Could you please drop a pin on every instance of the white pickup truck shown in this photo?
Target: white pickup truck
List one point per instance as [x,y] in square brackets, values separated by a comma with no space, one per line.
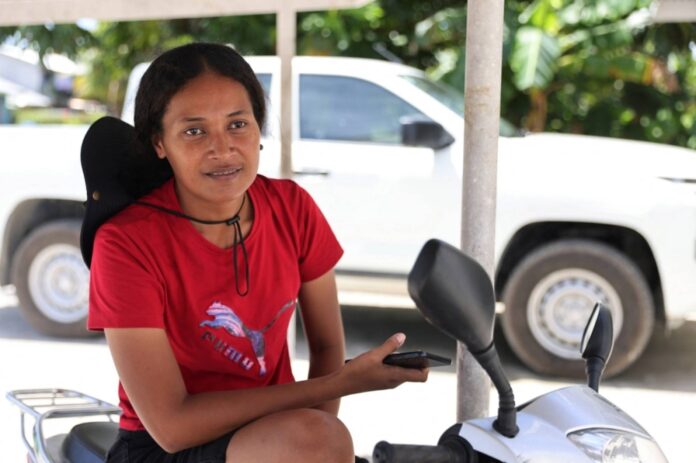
[380,148]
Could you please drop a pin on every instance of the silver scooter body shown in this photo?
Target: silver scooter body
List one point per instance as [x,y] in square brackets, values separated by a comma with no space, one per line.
[545,424]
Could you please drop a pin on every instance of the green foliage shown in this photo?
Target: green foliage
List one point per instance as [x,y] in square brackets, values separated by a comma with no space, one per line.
[68,39]
[585,66]
[410,31]
[54,116]
[615,75]
[122,45]
[534,57]
[114,48]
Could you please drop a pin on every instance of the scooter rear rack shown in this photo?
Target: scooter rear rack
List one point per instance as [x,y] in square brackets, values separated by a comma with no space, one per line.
[45,404]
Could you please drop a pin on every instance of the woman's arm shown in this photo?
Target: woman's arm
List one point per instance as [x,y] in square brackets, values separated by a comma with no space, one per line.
[321,317]
[177,420]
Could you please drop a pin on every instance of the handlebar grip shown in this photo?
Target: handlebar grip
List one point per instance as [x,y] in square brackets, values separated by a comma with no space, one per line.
[385,452]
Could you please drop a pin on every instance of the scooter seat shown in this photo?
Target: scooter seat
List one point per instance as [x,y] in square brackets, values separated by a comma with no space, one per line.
[89,442]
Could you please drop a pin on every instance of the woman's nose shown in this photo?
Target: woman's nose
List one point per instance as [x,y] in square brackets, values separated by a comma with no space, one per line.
[221,144]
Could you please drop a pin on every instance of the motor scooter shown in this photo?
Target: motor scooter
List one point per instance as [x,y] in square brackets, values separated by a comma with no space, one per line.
[454,293]
[86,442]
[571,425]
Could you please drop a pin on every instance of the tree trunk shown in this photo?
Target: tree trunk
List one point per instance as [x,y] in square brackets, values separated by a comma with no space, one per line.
[536,118]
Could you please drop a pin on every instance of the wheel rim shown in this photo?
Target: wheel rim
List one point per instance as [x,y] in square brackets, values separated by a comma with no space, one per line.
[59,283]
[560,304]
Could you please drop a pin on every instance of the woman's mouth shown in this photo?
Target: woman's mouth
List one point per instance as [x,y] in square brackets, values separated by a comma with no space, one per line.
[224,173]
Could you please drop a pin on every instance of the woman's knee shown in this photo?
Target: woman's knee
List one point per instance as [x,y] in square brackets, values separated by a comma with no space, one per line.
[306,435]
[316,429]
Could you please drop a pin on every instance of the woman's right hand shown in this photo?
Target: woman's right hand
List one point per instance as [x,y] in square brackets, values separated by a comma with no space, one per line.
[367,372]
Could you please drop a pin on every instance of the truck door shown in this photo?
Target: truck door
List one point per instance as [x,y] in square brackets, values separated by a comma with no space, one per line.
[382,198]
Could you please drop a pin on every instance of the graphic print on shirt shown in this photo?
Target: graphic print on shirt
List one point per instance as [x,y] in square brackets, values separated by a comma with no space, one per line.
[225,317]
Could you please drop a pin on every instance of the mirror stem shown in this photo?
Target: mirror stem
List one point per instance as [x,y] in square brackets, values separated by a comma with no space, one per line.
[506,423]
[594,367]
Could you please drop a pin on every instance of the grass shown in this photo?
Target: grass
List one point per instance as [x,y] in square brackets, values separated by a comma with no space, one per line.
[54,116]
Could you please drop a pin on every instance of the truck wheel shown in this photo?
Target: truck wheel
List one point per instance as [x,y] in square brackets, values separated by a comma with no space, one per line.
[52,281]
[551,293]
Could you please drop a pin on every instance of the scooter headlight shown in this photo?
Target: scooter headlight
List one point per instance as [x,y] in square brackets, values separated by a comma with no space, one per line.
[613,446]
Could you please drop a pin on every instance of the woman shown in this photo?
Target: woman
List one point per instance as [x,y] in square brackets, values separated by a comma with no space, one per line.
[195,284]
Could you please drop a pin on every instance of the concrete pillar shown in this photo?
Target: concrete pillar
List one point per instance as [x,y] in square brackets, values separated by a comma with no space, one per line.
[484,45]
[286,25]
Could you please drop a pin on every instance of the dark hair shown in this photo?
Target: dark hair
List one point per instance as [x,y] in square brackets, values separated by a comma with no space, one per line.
[175,68]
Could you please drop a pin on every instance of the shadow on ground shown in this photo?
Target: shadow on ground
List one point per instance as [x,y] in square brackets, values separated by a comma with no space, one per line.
[14,326]
[668,362]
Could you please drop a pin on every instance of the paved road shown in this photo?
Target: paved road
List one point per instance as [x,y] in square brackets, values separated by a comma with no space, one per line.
[660,391]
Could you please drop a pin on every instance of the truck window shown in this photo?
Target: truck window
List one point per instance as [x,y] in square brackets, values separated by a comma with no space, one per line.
[350,109]
[265,81]
[446,95]
[454,100]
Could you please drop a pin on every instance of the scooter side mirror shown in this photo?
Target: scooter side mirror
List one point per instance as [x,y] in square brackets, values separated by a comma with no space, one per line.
[597,343]
[454,293]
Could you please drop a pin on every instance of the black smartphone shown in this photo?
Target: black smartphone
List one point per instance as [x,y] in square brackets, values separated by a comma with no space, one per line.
[416,359]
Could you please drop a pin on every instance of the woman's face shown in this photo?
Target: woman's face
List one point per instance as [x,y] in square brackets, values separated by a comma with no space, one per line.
[211,139]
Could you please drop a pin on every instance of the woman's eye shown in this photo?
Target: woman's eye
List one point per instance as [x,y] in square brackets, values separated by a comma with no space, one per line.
[238,124]
[193,131]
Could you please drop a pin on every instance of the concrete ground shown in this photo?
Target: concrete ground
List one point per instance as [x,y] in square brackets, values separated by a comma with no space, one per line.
[659,391]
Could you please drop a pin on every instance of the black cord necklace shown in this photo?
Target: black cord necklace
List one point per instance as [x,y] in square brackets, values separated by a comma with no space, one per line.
[235,221]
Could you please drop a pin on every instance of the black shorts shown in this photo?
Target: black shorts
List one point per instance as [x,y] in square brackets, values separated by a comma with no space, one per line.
[140,447]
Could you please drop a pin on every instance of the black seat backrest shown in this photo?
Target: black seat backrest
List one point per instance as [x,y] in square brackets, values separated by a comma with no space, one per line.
[89,442]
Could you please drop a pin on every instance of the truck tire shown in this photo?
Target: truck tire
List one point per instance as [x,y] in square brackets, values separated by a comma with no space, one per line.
[52,281]
[551,293]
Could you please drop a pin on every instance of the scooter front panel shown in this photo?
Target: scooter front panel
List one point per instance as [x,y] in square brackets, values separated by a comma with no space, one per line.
[579,407]
[545,423]
[537,442]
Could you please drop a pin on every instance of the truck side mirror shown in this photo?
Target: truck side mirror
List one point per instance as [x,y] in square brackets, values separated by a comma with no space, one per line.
[419,131]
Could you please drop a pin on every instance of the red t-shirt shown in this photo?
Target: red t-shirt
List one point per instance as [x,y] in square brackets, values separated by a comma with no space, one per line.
[153,269]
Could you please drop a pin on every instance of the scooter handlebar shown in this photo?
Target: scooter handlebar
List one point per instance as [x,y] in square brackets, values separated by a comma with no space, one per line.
[385,452]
